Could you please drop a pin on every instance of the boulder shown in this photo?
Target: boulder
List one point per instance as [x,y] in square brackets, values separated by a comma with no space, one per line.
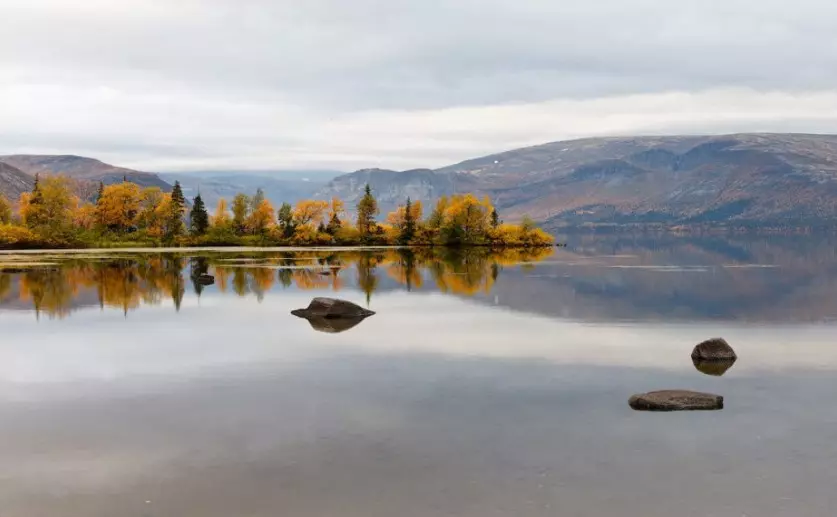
[206,279]
[332,308]
[714,368]
[716,349]
[676,400]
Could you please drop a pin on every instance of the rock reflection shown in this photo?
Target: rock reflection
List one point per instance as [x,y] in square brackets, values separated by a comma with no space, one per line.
[715,368]
[130,281]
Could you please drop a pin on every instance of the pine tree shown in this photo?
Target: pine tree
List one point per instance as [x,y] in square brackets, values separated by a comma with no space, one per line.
[495,219]
[37,196]
[408,229]
[199,217]
[100,192]
[367,209]
[174,223]
[256,200]
[286,220]
[334,224]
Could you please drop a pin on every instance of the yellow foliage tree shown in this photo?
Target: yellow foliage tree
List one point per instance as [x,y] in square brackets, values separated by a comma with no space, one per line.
[85,216]
[119,206]
[5,210]
[50,206]
[310,212]
[221,219]
[262,217]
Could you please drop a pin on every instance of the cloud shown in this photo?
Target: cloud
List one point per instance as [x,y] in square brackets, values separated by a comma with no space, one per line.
[216,83]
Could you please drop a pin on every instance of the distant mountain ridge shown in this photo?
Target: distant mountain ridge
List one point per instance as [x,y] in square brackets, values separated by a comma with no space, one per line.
[746,179]
[82,168]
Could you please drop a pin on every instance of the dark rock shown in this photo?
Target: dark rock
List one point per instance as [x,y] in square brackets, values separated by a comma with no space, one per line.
[332,308]
[715,368]
[716,349]
[206,279]
[676,400]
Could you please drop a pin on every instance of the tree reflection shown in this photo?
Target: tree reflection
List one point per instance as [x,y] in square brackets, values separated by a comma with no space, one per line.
[130,281]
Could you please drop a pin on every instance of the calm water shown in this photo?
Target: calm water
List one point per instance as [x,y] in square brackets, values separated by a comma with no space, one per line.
[485,385]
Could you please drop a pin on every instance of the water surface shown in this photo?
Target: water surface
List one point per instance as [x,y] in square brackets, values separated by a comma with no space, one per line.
[486,385]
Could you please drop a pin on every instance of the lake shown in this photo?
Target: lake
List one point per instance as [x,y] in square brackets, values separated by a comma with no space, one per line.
[485,385]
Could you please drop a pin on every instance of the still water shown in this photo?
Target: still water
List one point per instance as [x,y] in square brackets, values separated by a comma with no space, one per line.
[485,385]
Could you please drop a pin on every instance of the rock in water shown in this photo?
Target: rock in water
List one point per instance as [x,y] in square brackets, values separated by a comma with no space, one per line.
[716,349]
[676,400]
[332,308]
[714,368]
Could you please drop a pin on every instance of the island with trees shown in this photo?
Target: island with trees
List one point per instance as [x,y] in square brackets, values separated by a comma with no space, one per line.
[123,214]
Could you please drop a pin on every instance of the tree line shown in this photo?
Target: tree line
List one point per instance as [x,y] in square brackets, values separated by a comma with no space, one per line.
[53,214]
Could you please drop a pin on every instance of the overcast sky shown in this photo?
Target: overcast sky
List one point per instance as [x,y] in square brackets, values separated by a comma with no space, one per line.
[345,84]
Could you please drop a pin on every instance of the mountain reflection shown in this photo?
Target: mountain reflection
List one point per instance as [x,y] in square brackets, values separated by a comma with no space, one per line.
[66,283]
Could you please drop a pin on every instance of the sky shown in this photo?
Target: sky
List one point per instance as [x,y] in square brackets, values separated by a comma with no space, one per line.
[167,85]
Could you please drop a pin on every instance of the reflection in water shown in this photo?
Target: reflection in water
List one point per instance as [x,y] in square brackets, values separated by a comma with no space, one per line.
[130,281]
[714,368]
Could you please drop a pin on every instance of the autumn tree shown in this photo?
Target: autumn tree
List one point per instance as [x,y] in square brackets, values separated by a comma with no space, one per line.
[5,210]
[437,217]
[262,217]
[310,212]
[198,217]
[119,206]
[49,208]
[286,220]
[241,211]
[466,219]
[221,219]
[150,200]
[86,216]
[367,209]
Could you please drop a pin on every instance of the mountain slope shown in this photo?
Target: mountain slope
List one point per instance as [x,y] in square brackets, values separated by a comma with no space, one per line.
[13,182]
[752,179]
[82,168]
[214,186]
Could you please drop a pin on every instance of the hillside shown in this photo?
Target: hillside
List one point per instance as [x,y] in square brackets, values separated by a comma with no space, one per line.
[13,182]
[82,168]
[215,185]
[747,179]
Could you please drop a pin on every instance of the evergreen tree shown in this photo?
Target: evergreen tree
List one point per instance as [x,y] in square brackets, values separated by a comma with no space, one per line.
[100,192]
[495,219]
[256,200]
[408,228]
[334,224]
[367,209]
[322,228]
[174,224]
[286,220]
[199,218]
[37,196]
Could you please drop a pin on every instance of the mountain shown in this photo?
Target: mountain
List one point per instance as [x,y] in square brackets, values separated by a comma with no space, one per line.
[742,179]
[13,182]
[213,185]
[392,188]
[81,168]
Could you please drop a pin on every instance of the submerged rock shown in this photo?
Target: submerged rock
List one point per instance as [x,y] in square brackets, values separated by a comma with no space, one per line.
[714,368]
[332,308]
[716,349]
[206,279]
[676,400]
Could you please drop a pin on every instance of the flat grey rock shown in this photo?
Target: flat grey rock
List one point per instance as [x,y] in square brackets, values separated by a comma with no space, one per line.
[676,400]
